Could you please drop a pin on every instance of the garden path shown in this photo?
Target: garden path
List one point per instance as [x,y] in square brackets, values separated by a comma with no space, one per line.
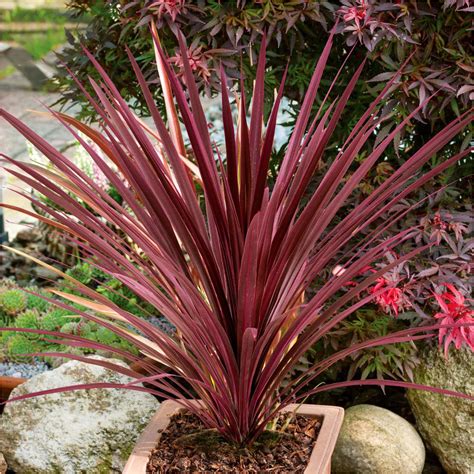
[17,98]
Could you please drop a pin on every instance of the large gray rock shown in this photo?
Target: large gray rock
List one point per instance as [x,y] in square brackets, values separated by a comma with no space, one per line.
[87,431]
[374,440]
[446,423]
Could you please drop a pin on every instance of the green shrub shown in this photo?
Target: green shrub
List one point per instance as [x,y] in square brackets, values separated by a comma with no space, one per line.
[392,360]
[230,33]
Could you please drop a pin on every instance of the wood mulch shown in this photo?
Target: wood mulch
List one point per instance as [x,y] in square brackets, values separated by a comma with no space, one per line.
[187,446]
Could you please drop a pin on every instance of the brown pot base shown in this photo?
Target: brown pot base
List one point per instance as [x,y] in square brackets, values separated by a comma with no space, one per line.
[7,384]
[319,458]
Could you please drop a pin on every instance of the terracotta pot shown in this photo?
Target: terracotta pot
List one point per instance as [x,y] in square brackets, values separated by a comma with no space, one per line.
[7,384]
[320,460]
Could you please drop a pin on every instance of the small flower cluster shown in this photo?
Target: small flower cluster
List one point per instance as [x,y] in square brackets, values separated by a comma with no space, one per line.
[454,311]
[173,8]
[198,60]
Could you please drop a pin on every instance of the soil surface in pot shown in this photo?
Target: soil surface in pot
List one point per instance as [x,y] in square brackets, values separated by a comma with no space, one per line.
[187,446]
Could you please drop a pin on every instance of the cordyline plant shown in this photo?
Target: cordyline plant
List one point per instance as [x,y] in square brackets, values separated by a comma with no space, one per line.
[229,269]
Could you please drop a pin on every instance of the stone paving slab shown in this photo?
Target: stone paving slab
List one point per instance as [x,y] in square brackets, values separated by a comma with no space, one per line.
[17,98]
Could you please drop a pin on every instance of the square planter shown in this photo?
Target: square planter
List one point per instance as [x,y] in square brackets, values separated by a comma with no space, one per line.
[320,460]
[7,384]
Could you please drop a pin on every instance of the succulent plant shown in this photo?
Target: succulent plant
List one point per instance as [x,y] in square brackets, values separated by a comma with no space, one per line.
[18,345]
[81,272]
[54,320]
[36,301]
[28,319]
[28,310]
[12,302]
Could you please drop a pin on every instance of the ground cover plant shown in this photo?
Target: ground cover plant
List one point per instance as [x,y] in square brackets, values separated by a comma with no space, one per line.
[26,308]
[226,258]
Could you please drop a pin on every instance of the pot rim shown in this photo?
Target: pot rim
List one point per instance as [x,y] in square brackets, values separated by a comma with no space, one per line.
[320,459]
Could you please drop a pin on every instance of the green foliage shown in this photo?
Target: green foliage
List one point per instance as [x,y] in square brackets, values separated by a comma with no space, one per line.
[110,287]
[28,319]
[38,44]
[105,336]
[19,344]
[230,33]
[118,293]
[81,272]
[35,301]
[33,15]
[12,302]
[54,320]
[23,310]
[391,360]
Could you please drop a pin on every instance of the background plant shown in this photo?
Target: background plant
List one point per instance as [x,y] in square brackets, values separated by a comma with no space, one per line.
[228,267]
[38,44]
[409,291]
[435,34]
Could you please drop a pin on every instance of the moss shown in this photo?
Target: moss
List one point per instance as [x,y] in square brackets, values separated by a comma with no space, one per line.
[209,440]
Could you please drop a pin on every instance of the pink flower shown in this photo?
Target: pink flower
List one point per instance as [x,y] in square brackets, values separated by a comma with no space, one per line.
[168,7]
[438,222]
[197,60]
[454,310]
[356,13]
[391,299]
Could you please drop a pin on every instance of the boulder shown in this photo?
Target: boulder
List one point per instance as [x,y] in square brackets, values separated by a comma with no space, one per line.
[3,464]
[446,423]
[89,431]
[43,273]
[27,236]
[374,440]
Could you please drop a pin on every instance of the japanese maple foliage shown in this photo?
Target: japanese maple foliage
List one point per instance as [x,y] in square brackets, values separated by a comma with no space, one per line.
[228,266]
[453,308]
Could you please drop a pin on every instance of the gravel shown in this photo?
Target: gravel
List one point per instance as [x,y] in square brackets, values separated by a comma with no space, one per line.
[17,369]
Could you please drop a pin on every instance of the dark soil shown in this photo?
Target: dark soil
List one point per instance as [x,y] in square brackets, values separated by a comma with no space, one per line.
[187,446]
